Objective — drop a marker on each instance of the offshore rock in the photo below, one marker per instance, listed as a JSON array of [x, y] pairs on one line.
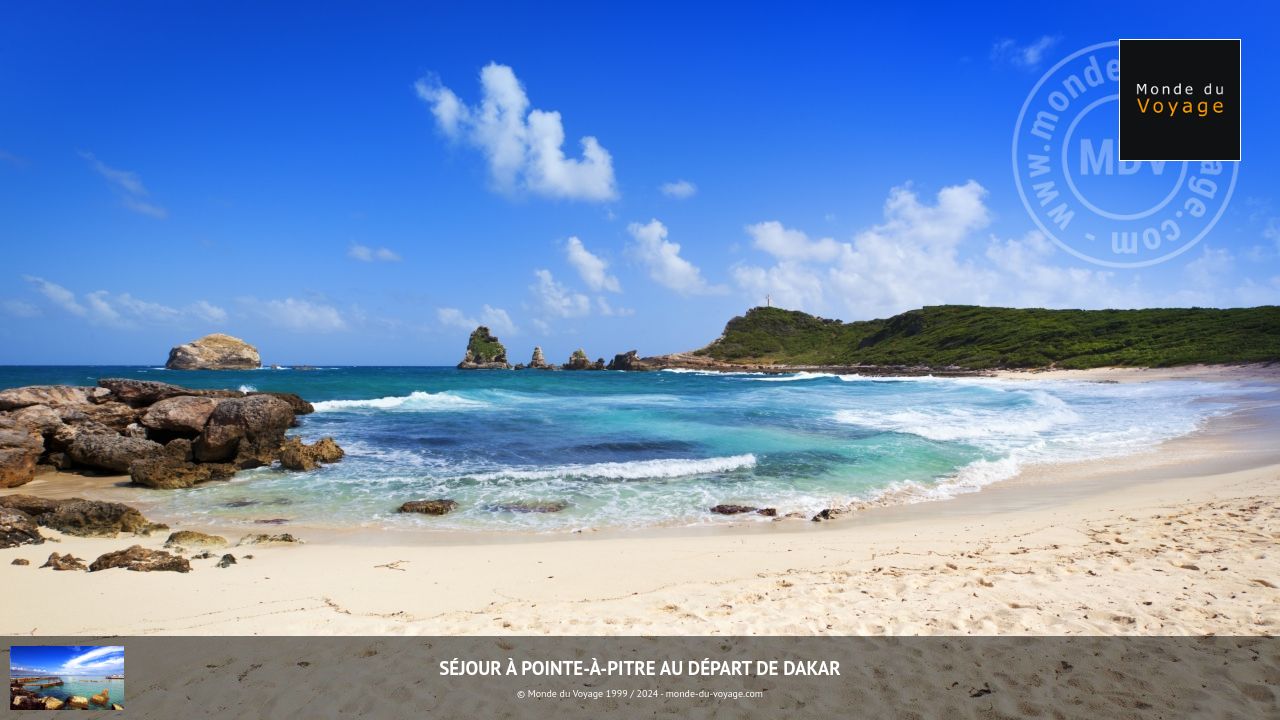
[[296, 455], [538, 361], [442, 506], [484, 352], [214, 352], [629, 361], [578, 361]]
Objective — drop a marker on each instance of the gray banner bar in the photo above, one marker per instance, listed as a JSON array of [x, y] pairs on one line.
[[733, 677]]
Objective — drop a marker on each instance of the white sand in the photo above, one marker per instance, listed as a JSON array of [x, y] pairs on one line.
[[1177, 541]]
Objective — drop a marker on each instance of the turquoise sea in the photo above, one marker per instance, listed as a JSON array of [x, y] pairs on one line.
[[86, 687], [657, 448]]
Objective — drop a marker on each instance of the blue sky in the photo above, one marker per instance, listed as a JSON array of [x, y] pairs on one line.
[[328, 184], [70, 660]]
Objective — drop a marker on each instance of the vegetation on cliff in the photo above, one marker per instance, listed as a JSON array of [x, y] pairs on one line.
[[986, 337]]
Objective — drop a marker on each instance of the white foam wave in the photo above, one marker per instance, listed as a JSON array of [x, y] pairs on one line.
[[417, 401], [633, 470], [967, 423], [708, 373], [248, 389]]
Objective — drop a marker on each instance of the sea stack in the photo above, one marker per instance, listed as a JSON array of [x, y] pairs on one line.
[[484, 352], [578, 361], [538, 362], [214, 352]]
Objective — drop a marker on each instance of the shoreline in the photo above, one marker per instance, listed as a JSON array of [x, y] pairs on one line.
[[1171, 541]]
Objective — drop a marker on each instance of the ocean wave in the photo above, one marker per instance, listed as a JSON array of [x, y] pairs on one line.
[[708, 373], [632, 470], [1047, 413], [248, 389], [417, 401]]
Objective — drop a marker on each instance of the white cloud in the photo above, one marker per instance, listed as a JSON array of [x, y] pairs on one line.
[[553, 299], [57, 294], [786, 244], [95, 661], [1027, 56], [662, 259], [606, 309], [496, 319], [128, 186], [300, 315], [524, 147], [679, 189], [20, 309], [364, 253], [207, 311], [591, 268]]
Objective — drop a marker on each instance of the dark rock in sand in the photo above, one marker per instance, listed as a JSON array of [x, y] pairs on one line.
[[17, 528], [271, 521], [111, 452], [227, 561], [214, 352], [263, 539], [185, 414], [168, 473], [529, 506], [295, 455], [64, 562], [141, 393], [20, 561], [828, 514], [442, 506], [140, 559], [30, 504], [768, 512], [246, 431], [192, 538]]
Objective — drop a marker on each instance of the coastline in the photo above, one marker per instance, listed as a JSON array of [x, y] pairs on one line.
[[1095, 547]]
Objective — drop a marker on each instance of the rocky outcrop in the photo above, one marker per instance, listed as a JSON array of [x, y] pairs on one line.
[[296, 455], [214, 352], [484, 352], [17, 528], [578, 361], [441, 506], [163, 435], [96, 518], [111, 452], [140, 559], [64, 562], [191, 538], [245, 431], [629, 361], [264, 539]]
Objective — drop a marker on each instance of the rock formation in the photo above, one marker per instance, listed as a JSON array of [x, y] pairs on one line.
[[77, 516], [164, 436], [140, 559], [484, 352], [538, 362], [578, 361], [64, 562], [629, 361], [442, 506], [529, 506], [17, 528], [191, 538], [214, 352], [295, 455]]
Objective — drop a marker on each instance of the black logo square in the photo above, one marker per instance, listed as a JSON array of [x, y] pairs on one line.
[[1180, 100]]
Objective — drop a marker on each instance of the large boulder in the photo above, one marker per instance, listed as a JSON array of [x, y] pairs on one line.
[[214, 352], [166, 472], [484, 352], [296, 455], [30, 504], [54, 396], [111, 452], [20, 448], [140, 559], [185, 415], [17, 528], [41, 418], [247, 431], [115, 415], [140, 393]]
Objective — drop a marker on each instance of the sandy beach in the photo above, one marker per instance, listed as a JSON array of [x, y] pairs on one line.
[[1177, 540]]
